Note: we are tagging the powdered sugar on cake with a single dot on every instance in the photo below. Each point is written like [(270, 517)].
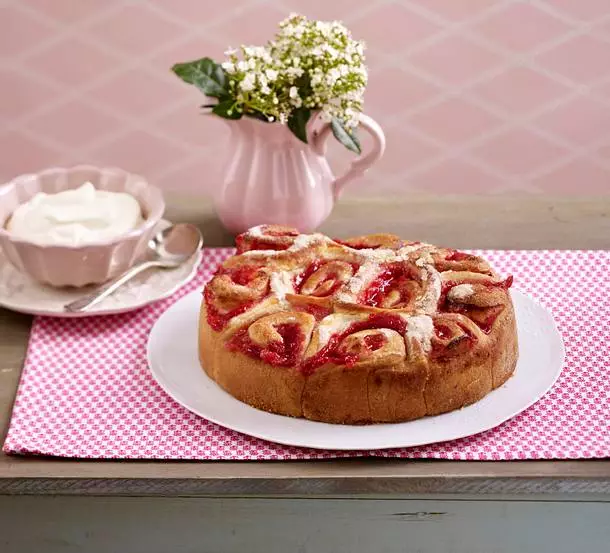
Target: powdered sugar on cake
[(335, 323), (424, 259), (363, 276), (355, 285), (419, 323), (429, 301), (387, 332), (257, 232), (420, 328), (382, 255), (281, 283), (460, 292), (304, 240), (379, 255)]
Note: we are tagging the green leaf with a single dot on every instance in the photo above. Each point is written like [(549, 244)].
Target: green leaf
[(348, 138), (226, 109), (297, 123), (258, 115), (207, 75)]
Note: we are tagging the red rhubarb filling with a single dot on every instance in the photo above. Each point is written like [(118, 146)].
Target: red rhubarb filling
[(457, 256), (483, 317), (331, 353), (332, 276), (457, 344), (245, 242), (318, 311), (241, 276), (394, 277), (373, 342), (218, 320), (283, 353)]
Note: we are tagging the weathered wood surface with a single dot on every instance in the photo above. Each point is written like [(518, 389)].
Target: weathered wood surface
[(139, 525)]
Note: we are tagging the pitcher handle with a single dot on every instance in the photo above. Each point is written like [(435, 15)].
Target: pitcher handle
[(363, 162)]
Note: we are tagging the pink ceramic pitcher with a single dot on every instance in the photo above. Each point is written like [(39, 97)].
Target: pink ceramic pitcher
[(272, 177)]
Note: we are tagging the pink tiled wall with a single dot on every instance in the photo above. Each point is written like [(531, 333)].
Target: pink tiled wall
[(475, 96)]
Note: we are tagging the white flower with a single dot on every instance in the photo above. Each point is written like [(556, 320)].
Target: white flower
[(312, 64), (248, 83), (333, 75), (294, 71), (316, 78), (271, 74), (332, 52)]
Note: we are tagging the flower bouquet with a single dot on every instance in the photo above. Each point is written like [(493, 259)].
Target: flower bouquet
[(309, 67)]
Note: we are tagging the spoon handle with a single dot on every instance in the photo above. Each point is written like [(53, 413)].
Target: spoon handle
[(84, 303)]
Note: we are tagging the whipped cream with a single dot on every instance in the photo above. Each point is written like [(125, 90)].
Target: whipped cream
[(75, 217)]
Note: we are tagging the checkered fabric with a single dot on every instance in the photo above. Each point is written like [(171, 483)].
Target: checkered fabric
[(86, 390)]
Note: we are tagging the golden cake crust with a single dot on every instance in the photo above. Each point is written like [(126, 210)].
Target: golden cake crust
[(364, 330)]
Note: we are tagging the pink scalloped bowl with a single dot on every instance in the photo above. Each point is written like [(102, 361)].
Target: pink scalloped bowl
[(94, 263)]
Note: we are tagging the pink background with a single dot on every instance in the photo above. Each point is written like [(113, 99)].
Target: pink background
[(475, 96)]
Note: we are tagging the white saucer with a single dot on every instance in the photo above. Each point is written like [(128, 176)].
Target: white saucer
[(173, 360), (20, 293)]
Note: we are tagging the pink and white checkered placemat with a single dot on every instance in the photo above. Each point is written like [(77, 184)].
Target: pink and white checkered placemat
[(86, 390)]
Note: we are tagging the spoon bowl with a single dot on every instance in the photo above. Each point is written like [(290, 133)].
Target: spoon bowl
[(176, 243), (167, 249)]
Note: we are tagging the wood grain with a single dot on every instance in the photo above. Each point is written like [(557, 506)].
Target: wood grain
[(490, 222), (515, 222), (233, 525)]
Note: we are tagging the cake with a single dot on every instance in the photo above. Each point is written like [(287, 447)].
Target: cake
[(366, 330)]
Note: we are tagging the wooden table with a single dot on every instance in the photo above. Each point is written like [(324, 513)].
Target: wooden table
[(341, 505)]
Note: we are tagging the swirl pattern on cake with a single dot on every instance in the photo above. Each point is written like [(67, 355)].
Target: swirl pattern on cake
[(364, 330)]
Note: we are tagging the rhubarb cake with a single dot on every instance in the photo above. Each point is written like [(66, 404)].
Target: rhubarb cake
[(364, 330)]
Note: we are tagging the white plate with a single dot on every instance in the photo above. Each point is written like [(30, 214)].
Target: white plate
[(173, 360), (20, 293)]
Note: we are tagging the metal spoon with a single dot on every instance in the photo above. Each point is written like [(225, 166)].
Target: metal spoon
[(168, 249)]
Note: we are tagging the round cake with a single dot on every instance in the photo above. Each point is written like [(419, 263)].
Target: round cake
[(365, 330)]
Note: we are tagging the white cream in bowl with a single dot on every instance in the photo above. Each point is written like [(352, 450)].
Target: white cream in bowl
[(76, 217)]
